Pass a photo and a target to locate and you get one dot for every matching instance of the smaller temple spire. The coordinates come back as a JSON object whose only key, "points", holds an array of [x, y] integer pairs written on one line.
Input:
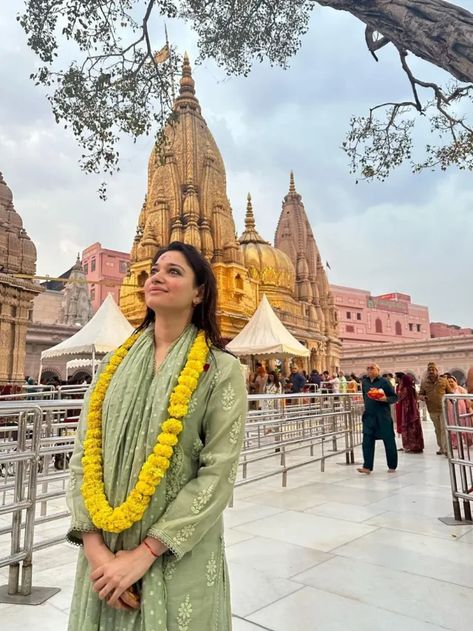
{"points": [[292, 186], [249, 217], [250, 235]]}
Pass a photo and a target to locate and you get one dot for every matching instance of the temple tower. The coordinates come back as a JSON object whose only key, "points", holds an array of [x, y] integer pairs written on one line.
{"points": [[17, 258], [76, 307], [294, 236], [187, 201]]}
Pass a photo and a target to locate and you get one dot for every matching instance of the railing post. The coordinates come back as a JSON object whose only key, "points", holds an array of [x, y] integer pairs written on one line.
{"points": [[457, 514], [27, 571]]}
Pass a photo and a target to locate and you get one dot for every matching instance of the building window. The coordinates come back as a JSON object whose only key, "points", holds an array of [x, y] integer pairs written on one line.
{"points": [[92, 294], [348, 315], [411, 326], [378, 326], [398, 328], [123, 267], [239, 282], [350, 328], [418, 328], [358, 316], [86, 268], [92, 265]]}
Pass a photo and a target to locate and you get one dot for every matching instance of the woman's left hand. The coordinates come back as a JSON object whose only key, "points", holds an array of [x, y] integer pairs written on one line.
{"points": [[116, 576]]}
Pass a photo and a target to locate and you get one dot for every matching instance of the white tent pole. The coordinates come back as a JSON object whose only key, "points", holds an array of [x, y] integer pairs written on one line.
{"points": [[40, 369]]}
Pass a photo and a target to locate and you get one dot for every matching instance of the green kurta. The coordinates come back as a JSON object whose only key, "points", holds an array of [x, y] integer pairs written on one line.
{"points": [[187, 588]]}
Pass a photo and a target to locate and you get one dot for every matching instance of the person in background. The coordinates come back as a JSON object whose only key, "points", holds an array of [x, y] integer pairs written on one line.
{"points": [[297, 380], [469, 381], [397, 416], [261, 377], [464, 408], [377, 419], [432, 390], [352, 384], [343, 382], [407, 412], [335, 384], [315, 378]]}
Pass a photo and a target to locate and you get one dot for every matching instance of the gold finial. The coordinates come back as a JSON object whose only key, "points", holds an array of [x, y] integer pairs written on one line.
{"points": [[249, 217], [292, 186]]}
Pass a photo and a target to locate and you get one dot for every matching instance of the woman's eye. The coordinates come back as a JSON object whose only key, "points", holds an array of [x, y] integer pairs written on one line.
{"points": [[174, 271]]}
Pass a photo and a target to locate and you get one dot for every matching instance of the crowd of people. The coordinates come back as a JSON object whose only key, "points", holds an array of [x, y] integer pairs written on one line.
{"points": [[395, 410], [275, 381]]}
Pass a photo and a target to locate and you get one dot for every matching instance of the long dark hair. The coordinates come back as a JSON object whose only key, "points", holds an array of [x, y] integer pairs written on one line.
{"points": [[204, 315]]}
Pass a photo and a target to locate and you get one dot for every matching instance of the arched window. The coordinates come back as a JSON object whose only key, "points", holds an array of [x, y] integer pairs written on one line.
{"points": [[398, 328], [378, 325], [238, 281]]}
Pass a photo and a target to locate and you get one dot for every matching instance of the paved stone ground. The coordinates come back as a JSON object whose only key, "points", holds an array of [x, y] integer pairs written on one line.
{"points": [[332, 551]]}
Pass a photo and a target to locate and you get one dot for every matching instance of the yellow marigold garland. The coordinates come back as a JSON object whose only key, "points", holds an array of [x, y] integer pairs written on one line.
{"points": [[153, 470]]}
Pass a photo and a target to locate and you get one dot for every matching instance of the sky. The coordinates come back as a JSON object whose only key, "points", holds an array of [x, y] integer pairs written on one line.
{"points": [[411, 233]]}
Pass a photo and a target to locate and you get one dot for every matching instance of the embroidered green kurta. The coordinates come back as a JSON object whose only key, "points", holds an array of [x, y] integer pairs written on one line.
{"points": [[187, 588]]}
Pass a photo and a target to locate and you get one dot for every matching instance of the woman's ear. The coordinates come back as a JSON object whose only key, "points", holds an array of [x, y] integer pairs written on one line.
{"points": [[200, 296]]}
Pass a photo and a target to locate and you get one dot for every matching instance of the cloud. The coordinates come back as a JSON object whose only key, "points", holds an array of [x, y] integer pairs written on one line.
{"points": [[408, 234]]}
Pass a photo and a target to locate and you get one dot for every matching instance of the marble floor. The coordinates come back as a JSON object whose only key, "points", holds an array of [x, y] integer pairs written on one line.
{"points": [[332, 551]]}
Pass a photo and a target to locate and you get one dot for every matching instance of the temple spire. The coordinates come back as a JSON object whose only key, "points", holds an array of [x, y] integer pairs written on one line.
{"points": [[250, 235]]}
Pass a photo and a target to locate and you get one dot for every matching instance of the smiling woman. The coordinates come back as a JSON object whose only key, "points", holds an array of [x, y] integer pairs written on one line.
{"points": [[154, 465]]}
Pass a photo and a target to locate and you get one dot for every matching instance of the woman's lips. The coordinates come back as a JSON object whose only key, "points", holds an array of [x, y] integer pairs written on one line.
{"points": [[157, 290]]}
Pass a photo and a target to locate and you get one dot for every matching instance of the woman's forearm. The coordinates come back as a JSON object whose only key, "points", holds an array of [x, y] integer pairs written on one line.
{"points": [[92, 541]]}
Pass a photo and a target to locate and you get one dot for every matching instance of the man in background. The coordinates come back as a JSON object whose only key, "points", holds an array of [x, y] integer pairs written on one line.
{"points": [[432, 390]]}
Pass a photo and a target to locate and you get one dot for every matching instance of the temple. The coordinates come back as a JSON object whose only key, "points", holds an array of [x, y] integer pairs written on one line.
{"points": [[187, 201], [17, 266]]}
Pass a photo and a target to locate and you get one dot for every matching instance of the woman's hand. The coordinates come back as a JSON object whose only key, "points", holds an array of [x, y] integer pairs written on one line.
{"points": [[115, 576], [98, 555]]}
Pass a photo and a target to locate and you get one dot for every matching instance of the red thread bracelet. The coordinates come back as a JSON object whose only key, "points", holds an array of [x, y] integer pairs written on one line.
{"points": [[156, 556]]}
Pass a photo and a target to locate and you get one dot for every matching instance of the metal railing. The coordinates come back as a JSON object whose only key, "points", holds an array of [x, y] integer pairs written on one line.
{"points": [[45, 393], [458, 417], [36, 440], [283, 432]]}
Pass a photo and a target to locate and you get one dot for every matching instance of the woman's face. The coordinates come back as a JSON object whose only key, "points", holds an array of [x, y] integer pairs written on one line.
{"points": [[452, 383], [270, 378], [171, 285]]}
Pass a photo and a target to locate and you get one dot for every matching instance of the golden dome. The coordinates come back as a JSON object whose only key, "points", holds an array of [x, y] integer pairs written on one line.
{"points": [[267, 264]]}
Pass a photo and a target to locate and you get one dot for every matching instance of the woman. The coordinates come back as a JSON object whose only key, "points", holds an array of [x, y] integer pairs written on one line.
{"points": [[398, 376], [464, 407], [408, 414], [169, 417]]}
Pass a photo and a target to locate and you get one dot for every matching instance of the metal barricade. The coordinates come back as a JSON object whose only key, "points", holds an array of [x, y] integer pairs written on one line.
{"points": [[285, 432], [36, 440], [458, 418]]}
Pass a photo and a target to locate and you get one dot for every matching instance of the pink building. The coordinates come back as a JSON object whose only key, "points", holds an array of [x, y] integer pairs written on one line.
{"points": [[365, 319], [105, 270], [440, 329]]}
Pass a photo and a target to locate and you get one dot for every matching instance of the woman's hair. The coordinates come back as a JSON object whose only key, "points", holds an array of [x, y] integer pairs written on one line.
{"points": [[275, 376], [204, 315]]}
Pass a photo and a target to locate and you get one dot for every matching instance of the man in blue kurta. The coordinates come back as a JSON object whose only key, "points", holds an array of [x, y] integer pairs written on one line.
{"points": [[377, 420]]}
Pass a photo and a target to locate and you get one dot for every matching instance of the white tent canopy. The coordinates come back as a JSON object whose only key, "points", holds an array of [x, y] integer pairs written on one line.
{"points": [[103, 333], [265, 334]]}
